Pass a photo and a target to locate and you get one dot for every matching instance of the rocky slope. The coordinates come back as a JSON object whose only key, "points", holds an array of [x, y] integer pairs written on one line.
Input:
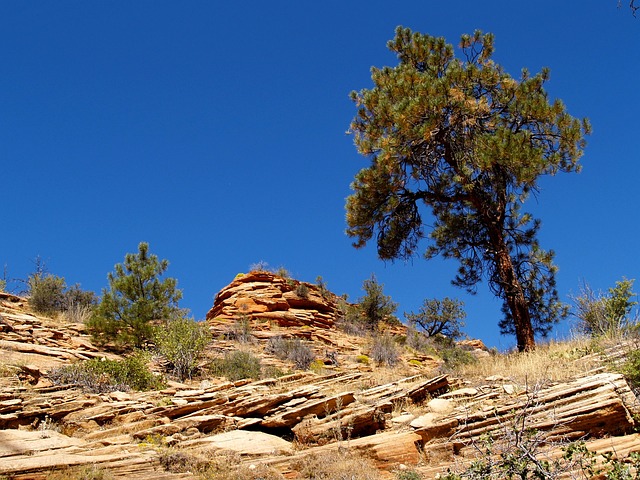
{"points": [[424, 420]]}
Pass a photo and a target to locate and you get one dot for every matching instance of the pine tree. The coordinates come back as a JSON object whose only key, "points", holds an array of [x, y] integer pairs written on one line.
{"points": [[136, 299], [460, 140], [375, 306]]}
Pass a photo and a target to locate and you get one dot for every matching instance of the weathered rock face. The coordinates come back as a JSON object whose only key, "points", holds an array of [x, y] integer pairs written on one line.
{"points": [[268, 299], [44, 427]]}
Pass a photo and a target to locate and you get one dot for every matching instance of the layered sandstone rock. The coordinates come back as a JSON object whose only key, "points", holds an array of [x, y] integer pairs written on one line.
{"points": [[268, 299]]}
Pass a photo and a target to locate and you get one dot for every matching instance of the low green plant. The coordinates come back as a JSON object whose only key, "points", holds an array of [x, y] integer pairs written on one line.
{"points": [[237, 365], [631, 368], [293, 350], [606, 314], [181, 342], [407, 475], [364, 359], [104, 375], [317, 366], [302, 290]]}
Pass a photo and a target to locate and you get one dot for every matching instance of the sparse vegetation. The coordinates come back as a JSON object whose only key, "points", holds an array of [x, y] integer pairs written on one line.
{"points": [[609, 314], [293, 350], [86, 472], [237, 365], [385, 351], [181, 342], [337, 466], [240, 331], [439, 317], [302, 290], [136, 298], [49, 295], [373, 308], [100, 375]]}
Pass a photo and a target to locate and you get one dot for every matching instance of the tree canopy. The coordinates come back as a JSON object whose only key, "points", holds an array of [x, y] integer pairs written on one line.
{"points": [[137, 297], [461, 140]]}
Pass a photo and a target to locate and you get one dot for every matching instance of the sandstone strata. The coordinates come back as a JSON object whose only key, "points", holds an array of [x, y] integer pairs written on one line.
{"points": [[44, 427]]}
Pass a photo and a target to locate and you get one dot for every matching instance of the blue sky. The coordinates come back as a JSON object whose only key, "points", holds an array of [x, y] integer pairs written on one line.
{"points": [[217, 133]]}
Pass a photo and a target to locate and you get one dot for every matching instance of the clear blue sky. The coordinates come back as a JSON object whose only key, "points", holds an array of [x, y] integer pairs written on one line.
{"points": [[215, 131]]}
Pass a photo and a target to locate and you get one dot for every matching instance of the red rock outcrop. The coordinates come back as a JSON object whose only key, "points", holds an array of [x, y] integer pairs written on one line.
{"points": [[266, 299]]}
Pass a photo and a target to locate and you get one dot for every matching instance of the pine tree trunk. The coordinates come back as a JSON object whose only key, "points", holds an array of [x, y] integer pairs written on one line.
{"points": [[514, 295]]}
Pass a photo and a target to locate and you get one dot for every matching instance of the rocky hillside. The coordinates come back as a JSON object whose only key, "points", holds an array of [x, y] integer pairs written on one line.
{"points": [[412, 418]]}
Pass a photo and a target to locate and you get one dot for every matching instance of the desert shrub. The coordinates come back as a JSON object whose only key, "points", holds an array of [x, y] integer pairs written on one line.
{"points": [[240, 331], [631, 369], [454, 357], [237, 365], [181, 342], [605, 314], [439, 317], [363, 359], [104, 375], [337, 466], [302, 290], [136, 298], [260, 266], [322, 287], [351, 320], [407, 475], [293, 350], [86, 472], [384, 351], [46, 293]]}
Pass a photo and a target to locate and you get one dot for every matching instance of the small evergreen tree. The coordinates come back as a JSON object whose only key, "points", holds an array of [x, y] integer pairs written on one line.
{"points": [[375, 306], [444, 317], [136, 298]]}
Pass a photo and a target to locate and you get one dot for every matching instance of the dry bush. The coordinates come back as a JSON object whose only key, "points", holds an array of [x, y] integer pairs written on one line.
{"points": [[86, 472], [384, 351], [223, 466], [293, 350], [550, 362], [337, 466]]}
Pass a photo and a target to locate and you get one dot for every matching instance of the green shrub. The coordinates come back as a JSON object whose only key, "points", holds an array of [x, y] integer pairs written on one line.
{"points": [[384, 351], [136, 298], [46, 293], [631, 369], [181, 342], [407, 475], [237, 366], [607, 314], [363, 359], [49, 294], [103, 375], [302, 290], [293, 350]]}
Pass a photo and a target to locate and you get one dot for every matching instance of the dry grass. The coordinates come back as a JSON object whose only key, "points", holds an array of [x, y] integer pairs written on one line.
{"points": [[550, 362], [337, 466], [223, 466]]}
